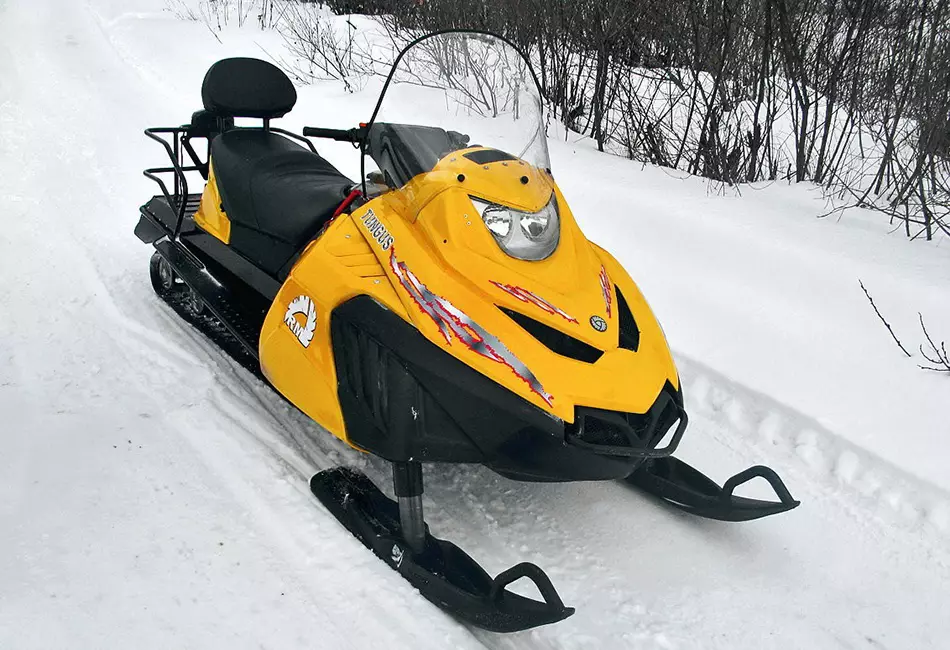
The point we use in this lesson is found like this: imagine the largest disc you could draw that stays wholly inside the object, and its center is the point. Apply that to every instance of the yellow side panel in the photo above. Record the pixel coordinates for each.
(295, 350)
(210, 216)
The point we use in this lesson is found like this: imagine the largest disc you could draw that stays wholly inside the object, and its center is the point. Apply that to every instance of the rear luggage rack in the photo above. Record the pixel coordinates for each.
(176, 141)
(177, 199)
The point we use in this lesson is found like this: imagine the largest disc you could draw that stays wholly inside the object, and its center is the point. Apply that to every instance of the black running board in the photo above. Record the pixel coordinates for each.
(688, 489)
(443, 573)
(242, 322)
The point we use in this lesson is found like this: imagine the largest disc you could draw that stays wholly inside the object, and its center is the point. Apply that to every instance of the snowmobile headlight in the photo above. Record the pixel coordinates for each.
(498, 220)
(528, 236)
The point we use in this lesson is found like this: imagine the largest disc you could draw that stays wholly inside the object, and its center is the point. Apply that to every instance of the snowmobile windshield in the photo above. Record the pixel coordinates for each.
(454, 90)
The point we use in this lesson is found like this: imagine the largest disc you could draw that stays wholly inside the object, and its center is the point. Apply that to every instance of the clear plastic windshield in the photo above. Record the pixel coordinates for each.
(452, 91)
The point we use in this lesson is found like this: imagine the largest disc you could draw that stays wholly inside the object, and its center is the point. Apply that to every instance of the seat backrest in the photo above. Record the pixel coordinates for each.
(244, 87)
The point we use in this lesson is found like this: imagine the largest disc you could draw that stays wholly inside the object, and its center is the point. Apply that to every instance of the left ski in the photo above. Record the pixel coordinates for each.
(442, 572)
(688, 489)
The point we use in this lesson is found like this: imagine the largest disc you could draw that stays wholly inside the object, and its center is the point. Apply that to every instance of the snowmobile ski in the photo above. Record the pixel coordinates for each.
(442, 572)
(688, 489)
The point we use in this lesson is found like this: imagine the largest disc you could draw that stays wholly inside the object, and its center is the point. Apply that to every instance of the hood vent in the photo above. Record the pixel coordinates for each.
(629, 332)
(485, 156)
(555, 340)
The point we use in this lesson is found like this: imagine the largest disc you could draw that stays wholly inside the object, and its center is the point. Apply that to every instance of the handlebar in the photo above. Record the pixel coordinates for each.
(342, 135)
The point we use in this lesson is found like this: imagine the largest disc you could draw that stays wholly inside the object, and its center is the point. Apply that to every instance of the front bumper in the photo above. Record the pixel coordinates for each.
(403, 398)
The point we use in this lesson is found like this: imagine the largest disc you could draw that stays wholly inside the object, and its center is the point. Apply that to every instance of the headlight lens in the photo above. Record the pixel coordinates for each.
(498, 220)
(528, 236)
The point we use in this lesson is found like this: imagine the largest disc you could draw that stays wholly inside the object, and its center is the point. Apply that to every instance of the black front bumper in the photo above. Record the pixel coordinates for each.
(404, 398)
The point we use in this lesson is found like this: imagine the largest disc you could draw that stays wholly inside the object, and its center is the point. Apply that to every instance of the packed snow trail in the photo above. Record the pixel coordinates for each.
(114, 531)
(153, 493)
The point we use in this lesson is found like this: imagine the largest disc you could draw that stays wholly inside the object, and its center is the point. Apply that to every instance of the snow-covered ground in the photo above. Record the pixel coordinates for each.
(153, 493)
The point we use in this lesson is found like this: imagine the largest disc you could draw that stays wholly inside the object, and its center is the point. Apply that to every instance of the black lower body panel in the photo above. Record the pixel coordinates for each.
(404, 398)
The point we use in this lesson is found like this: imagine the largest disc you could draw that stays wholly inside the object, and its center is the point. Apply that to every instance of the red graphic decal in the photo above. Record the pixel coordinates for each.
(607, 290)
(454, 323)
(533, 299)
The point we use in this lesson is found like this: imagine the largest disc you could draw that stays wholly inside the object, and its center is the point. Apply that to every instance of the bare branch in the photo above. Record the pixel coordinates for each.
(937, 355)
(886, 324)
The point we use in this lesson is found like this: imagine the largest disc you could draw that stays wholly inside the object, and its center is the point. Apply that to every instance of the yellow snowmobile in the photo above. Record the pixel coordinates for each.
(446, 308)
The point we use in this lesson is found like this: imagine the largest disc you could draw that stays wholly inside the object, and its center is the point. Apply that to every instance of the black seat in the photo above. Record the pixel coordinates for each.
(276, 193)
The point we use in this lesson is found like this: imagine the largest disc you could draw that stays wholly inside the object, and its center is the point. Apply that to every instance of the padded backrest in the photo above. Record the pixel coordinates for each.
(242, 87)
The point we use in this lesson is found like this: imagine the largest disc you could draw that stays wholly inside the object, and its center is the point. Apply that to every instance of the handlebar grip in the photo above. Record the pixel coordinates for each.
(343, 135)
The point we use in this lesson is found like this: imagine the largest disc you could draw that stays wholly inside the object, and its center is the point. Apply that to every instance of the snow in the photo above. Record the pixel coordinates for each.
(153, 493)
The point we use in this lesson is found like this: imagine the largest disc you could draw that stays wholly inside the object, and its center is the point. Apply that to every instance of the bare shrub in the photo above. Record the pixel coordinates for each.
(320, 49)
(852, 95)
(218, 14)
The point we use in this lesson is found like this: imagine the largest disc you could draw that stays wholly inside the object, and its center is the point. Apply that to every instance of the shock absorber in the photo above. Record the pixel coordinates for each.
(407, 484)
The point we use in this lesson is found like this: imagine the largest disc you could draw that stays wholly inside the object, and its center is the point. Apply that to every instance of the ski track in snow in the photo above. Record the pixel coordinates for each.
(188, 539)
(864, 483)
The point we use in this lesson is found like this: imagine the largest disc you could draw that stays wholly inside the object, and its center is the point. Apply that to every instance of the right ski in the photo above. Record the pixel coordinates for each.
(688, 489)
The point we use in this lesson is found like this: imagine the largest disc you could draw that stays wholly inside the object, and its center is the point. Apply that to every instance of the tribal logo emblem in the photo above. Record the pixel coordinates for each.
(598, 323)
(533, 299)
(453, 322)
(397, 555)
(607, 290)
(304, 306)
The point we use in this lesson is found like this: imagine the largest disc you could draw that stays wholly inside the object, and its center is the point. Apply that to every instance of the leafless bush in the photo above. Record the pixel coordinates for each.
(851, 94)
(183, 10)
(218, 14)
(935, 354)
(480, 79)
(321, 50)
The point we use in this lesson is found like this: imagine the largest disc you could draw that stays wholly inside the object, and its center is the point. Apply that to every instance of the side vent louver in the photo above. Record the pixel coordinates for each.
(555, 340)
(356, 255)
(629, 332)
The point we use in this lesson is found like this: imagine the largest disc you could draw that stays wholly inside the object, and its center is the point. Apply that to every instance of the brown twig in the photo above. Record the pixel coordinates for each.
(940, 359)
(886, 324)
